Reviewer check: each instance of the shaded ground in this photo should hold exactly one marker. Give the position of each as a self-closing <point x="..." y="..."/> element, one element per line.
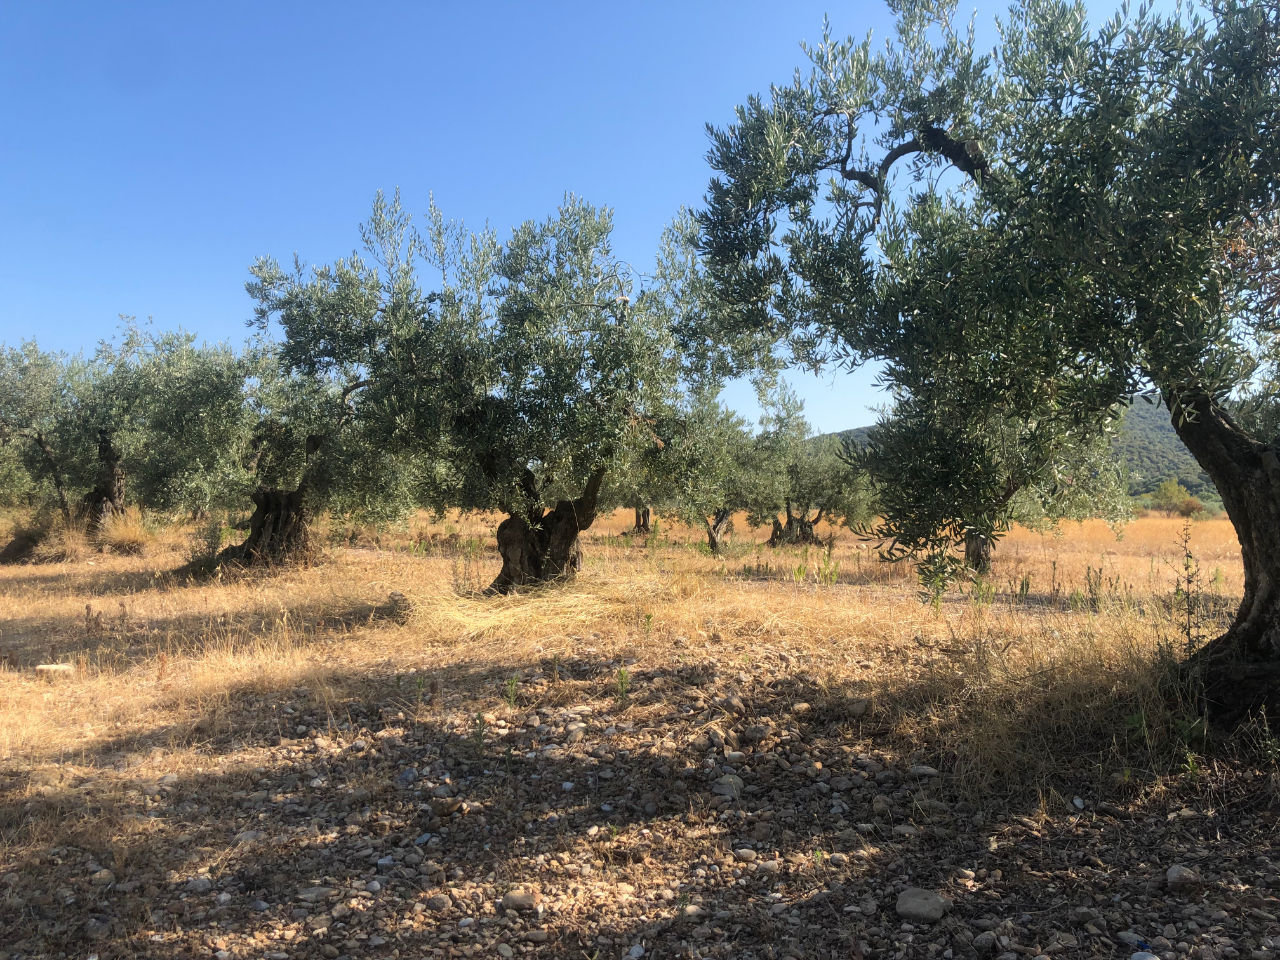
<point x="691" y="812"/>
<point x="676" y="757"/>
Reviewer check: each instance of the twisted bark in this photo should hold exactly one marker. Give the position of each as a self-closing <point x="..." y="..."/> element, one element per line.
<point x="106" y="499"/>
<point x="1239" y="672"/>
<point x="718" y="529"/>
<point x="278" y="531"/>
<point x="543" y="545"/>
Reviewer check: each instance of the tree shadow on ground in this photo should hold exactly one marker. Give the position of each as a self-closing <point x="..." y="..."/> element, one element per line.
<point x="115" y="639"/>
<point x="699" y="812"/>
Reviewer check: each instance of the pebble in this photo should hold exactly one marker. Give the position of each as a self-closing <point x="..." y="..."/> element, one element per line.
<point x="921" y="906"/>
<point x="1181" y="878"/>
<point x="729" y="785"/>
<point x="985" y="942"/>
<point x="521" y="900"/>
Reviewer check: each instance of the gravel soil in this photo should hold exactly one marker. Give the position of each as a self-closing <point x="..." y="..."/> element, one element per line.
<point x="593" y="808"/>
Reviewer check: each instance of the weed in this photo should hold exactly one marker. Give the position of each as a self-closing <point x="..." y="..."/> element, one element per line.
<point x="983" y="593"/>
<point x="828" y="566"/>
<point x="479" y="731"/>
<point x="206" y="542"/>
<point x="1188" y="595"/>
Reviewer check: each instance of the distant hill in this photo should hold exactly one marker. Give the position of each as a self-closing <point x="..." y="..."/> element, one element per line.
<point x="1147" y="446"/>
<point x="1152" y="452"/>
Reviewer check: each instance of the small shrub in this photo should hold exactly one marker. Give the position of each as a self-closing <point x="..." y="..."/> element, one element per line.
<point x="1190" y="507"/>
<point x="205" y="543"/>
<point x="124" y="533"/>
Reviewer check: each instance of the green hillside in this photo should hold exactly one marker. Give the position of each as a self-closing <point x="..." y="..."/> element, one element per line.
<point x="1149" y="449"/>
<point x="1152" y="452"/>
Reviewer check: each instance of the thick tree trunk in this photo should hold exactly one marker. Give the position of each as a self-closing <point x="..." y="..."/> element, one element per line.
<point x="718" y="529"/>
<point x="544" y="546"/>
<point x="1240" y="670"/>
<point x="977" y="551"/>
<point x="106" y="499"/>
<point x="278" y="532"/>
<point x="797" y="529"/>
<point x="642" y="520"/>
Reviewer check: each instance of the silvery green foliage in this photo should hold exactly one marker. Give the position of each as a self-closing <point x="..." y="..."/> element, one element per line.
<point x="936" y="481"/>
<point x="713" y="460"/>
<point x="1025" y="236"/>
<point x="506" y="371"/>
<point x="710" y="462"/>
<point x="807" y="476"/>
<point x="39" y="393"/>
<point x="180" y="416"/>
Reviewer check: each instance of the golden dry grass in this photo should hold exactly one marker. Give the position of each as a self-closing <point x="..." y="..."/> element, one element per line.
<point x="1072" y="629"/>
<point x="1051" y="680"/>
<point x="124" y="532"/>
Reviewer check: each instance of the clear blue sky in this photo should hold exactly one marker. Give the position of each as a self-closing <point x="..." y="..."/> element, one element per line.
<point x="148" y="152"/>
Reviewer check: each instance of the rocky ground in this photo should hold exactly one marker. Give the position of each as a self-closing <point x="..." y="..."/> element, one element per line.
<point x="591" y="808"/>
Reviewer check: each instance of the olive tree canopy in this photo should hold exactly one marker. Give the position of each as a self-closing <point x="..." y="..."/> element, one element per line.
<point x="519" y="370"/>
<point x="1038" y="231"/>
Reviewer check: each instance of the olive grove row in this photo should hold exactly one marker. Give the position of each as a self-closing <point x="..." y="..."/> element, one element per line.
<point x="1024" y="237"/>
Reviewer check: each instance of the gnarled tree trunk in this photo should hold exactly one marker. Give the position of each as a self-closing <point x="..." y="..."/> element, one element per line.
<point x="718" y="529"/>
<point x="106" y="499"/>
<point x="977" y="551"/>
<point x="543" y="546"/>
<point x="1240" y="670"/>
<point x="797" y="529"/>
<point x="278" y="531"/>
<point x="642" y="520"/>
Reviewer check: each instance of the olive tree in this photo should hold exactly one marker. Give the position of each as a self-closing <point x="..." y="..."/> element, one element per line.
<point x="711" y="467"/>
<point x="1043" y="227"/>
<point x="940" y="480"/>
<point x="811" y="481"/>
<point x="38" y="401"/>
<point x="519" y="370"/>
<point x="178" y="416"/>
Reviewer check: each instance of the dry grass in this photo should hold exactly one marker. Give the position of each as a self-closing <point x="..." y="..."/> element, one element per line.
<point x="63" y="541"/>
<point x="1051" y="679"/>
<point x="1068" y="646"/>
<point x="124" y="533"/>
